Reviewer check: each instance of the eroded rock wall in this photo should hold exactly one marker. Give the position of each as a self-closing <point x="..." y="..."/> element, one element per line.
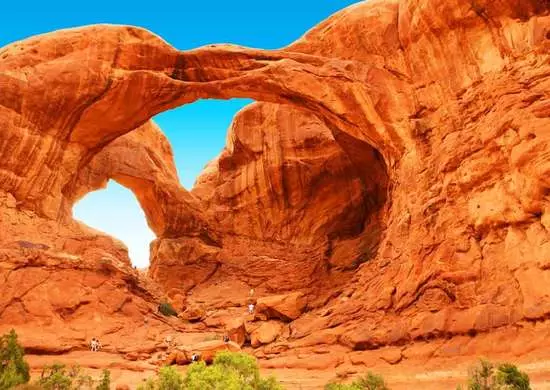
<point x="288" y="205"/>
<point x="408" y="180"/>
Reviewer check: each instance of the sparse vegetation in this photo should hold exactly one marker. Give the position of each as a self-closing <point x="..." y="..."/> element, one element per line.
<point x="166" y="309"/>
<point x="372" y="382"/>
<point x="230" y="371"/>
<point x="488" y="376"/>
<point x="105" y="381"/>
<point x="509" y="375"/>
<point x="212" y="337"/>
<point x="59" y="377"/>
<point x="55" y="377"/>
<point x="368" y="382"/>
<point x="14" y="370"/>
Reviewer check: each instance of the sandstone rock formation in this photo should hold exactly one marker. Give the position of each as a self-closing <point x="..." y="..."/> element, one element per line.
<point x="397" y="176"/>
<point x="286" y="307"/>
<point x="207" y="350"/>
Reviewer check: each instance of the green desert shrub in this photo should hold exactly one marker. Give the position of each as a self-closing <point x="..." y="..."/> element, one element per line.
<point x="488" y="376"/>
<point x="104" y="381"/>
<point x="150" y="384"/>
<point x="59" y="377"/>
<point x="229" y="371"/>
<point x="14" y="370"/>
<point x="55" y="377"/>
<point x="169" y="379"/>
<point x="368" y="382"/>
<point x="236" y="370"/>
<point x="211" y="337"/>
<point x="166" y="309"/>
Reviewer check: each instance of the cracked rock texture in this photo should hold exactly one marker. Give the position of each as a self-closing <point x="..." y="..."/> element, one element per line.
<point x="395" y="176"/>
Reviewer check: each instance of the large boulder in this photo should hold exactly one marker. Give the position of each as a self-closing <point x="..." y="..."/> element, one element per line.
<point x="235" y="329"/>
<point x="266" y="333"/>
<point x="193" y="313"/>
<point x="285" y="307"/>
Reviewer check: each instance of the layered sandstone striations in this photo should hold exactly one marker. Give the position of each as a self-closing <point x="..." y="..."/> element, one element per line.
<point x="396" y="176"/>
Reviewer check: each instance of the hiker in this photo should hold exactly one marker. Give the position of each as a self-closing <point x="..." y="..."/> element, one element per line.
<point x="250" y="308"/>
<point x="225" y="338"/>
<point x="195" y="357"/>
<point x="94" y="345"/>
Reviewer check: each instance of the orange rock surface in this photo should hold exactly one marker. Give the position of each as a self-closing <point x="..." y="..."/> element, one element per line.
<point x="395" y="176"/>
<point x="205" y="350"/>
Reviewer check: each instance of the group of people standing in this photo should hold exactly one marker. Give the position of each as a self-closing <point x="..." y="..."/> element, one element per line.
<point x="95" y="345"/>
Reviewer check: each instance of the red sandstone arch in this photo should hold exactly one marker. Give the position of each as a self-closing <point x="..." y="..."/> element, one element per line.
<point x="131" y="74"/>
<point x="444" y="88"/>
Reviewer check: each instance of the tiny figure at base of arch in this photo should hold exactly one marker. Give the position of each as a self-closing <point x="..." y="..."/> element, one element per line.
<point x="250" y="308"/>
<point x="195" y="357"/>
<point x="95" y="345"/>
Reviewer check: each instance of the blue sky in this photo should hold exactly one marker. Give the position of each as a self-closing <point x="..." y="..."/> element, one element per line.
<point x="196" y="131"/>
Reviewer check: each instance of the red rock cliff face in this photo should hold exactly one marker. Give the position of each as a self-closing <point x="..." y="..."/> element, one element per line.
<point x="403" y="188"/>
<point x="286" y="163"/>
<point x="288" y="205"/>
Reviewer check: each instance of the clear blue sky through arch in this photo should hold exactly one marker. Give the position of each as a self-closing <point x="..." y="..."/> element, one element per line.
<point x="196" y="131"/>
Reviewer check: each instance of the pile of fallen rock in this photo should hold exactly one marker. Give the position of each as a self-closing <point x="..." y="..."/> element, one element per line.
<point x="265" y="325"/>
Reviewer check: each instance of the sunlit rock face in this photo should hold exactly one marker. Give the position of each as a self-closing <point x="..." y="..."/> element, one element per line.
<point x="396" y="175"/>
<point x="288" y="205"/>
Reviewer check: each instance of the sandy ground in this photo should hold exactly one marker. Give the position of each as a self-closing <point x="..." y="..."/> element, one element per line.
<point x="436" y="375"/>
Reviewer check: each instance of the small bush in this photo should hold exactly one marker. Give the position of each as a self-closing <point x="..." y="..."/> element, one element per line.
<point x="372" y="382"/>
<point x="488" y="376"/>
<point x="169" y="379"/>
<point x="55" y="377"/>
<point x="201" y="377"/>
<point x="105" y="381"/>
<point x="14" y="370"/>
<point x="367" y="382"/>
<point x="242" y="363"/>
<point x="229" y="371"/>
<point x="166" y="309"/>
<point x="509" y="375"/>
<point x="59" y="377"/>
<point x="341" y="386"/>
<point x="150" y="384"/>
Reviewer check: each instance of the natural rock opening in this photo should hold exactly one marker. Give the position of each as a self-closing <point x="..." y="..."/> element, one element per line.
<point x="116" y="212"/>
<point x="145" y="164"/>
<point x="197" y="133"/>
<point x="453" y="102"/>
<point x="294" y="203"/>
<point x="287" y="209"/>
